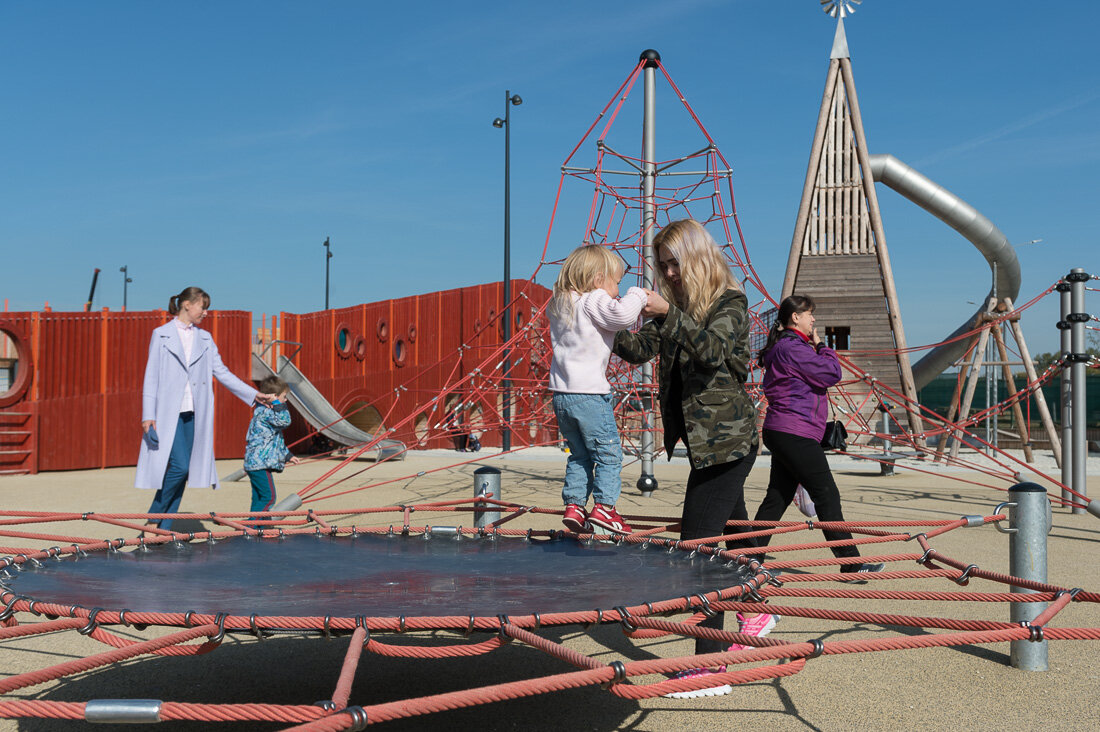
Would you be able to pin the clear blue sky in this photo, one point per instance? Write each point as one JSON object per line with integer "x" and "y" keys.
{"x": 219, "y": 143}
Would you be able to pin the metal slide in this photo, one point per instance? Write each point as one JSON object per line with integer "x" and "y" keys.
{"x": 320, "y": 414}
{"x": 979, "y": 230}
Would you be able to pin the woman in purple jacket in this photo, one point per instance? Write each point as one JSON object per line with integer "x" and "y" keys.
{"x": 799, "y": 369}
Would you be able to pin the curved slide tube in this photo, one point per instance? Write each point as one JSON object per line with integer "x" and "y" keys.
{"x": 965, "y": 219}
{"x": 320, "y": 414}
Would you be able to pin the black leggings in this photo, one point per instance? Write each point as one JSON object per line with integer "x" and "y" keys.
{"x": 715, "y": 495}
{"x": 801, "y": 460}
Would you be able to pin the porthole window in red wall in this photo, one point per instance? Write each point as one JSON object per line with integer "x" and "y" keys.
{"x": 360, "y": 347}
{"x": 383, "y": 330}
{"x": 15, "y": 364}
{"x": 343, "y": 340}
{"x": 400, "y": 351}
{"x": 412, "y": 334}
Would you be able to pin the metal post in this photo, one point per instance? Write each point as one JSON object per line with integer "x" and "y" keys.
{"x": 126, "y": 280}
{"x": 506, "y": 311}
{"x": 328, "y": 256}
{"x": 1078, "y": 317}
{"x": 1029, "y": 521}
{"x": 506, "y": 434}
{"x": 486, "y": 485}
{"x": 646, "y": 482}
{"x": 1066, "y": 390}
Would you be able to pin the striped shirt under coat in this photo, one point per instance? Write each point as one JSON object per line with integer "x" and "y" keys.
{"x": 166, "y": 376}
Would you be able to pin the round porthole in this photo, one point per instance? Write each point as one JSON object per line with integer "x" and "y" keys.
{"x": 412, "y": 334}
{"x": 360, "y": 347}
{"x": 400, "y": 351}
{"x": 383, "y": 330}
{"x": 343, "y": 340}
{"x": 15, "y": 364}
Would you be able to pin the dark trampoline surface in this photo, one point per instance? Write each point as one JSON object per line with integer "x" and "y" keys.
{"x": 377, "y": 576}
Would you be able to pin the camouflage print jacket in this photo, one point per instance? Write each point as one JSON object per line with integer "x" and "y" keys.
{"x": 713, "y": 360}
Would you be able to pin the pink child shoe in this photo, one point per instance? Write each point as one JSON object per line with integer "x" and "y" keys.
{"x": 698, "y": 673}
{"x": 575, "y": 518}
{"x": 758, "y": 625}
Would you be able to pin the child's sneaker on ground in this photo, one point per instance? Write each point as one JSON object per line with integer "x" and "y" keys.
{"x": 575, "y": 518}
{"x": 698, "y": 673}
{"x": 758, "y": 625}
{"x": 607, "y": 517}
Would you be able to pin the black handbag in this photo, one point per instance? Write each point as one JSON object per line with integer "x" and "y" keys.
{"x": 835, "y": 437}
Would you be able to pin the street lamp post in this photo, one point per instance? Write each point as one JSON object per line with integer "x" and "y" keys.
{"x": 126, "y": 280}
{"x": 506, "y": 312}
{"x": 328, "y": 256}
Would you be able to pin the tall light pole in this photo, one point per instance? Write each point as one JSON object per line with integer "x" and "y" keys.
{"x": 126, "y": 280}
{"x": 328, "y": 256}
{"x": 509, "y": 100}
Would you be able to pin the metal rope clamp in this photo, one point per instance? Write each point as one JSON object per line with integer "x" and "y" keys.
{"x": 964, "y": 578}
{"x": 91, "y": 626}
{"x": 220, "y": 620}
{"x": 997, "y": 524}
{"x": 620, "y": 674}
{"x": 8, "y": 611}
{"x": 501, "y": 634}
{"x": 624, "y": 620}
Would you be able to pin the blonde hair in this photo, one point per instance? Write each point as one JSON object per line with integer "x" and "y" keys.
{"x": 579, "y": 273}
{"x": 704, "y": 271}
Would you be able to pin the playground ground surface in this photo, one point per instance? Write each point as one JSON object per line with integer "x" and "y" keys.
{"x": 960, "y": 688}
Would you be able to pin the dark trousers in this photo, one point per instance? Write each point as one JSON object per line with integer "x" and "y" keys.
{"x": 801, "y": 460}
{"x": 168, "y": 497}
{"x": 715, "y": 495}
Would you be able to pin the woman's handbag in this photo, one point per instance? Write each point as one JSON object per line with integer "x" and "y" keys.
{"x": 835, "y": 437}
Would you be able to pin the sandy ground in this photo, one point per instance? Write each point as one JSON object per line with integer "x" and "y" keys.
{"x": 950, "y": 688}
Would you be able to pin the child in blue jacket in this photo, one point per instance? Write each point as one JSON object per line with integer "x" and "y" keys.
{"x": 265, "y": 451}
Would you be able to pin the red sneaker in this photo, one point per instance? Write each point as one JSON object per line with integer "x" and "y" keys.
{"x": 607, "y": 517}
{"x": 575, "y": 518}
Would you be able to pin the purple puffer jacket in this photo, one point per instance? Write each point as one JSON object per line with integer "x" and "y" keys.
{"x": 795, "y": 383}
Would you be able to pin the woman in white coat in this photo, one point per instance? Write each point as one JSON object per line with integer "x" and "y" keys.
{"x": 177, "y": 405}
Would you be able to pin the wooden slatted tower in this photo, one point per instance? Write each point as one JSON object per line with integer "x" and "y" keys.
{"x": 838, "y": 252}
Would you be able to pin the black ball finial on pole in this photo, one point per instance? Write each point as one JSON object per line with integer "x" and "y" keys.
{"x": 651, "y": 57}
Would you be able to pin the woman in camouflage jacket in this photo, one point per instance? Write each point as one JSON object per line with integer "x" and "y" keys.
{"x": 700, "y": 330}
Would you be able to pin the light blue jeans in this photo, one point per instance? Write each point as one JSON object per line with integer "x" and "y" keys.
{"x": 595, "y": 461}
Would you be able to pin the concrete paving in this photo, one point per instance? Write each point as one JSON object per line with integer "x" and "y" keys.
{"x": 963, "y": 688}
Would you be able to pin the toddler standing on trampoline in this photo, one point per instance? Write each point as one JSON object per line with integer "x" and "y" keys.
{"x": 265, "y": 450}
{"x": 585, "y": 313}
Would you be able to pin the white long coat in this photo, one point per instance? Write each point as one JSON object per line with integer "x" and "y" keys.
{"x": 166, "y": 374}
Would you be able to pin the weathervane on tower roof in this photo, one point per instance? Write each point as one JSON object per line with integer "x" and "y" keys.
{"x": 841, "y": 8}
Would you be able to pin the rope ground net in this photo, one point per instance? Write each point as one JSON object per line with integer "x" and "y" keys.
{"x": 785, "y": 582}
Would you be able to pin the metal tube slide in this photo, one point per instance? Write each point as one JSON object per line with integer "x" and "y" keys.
{"x": 965, "y": 219}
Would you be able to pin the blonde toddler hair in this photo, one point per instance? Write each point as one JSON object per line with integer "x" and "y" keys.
{"x": 704, "y": 271}
{"x": 579, "y": 273}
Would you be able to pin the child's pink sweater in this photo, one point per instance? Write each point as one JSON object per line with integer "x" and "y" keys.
{"x": 582, "y": 347}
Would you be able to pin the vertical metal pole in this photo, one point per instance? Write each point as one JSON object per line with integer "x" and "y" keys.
{"x": 1066, "y": 390}
{"x": 486, "y": 485}
{"x": 991, "y": 377}
{"x": 1078, "y": 318}
{"x": 647, "y": 483}
{"x": 506, "y": 429}
{"x": 328, "y": 256}
{"x": 1029, "y": 523}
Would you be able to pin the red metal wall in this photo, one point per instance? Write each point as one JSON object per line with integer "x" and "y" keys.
{"x": 87, "y": 377}
{"x": 411, "y": 349}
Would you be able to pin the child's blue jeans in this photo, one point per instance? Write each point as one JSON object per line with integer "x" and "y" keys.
{"x": 263, "y": 489}
{"x": 170, "y": 493}
{"x": 587, "y": 423}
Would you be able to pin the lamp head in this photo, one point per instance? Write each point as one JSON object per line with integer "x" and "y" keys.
{"x": 498, "y": 122}
{"x": 516, "y": 99}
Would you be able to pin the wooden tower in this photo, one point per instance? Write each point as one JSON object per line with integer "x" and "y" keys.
{"x": 838, "y": 253}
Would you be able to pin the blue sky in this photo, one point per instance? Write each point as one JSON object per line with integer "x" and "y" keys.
{"x": 219, "y": 143}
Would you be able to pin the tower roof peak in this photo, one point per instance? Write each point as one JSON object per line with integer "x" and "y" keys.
{"x": 840, "y": 42}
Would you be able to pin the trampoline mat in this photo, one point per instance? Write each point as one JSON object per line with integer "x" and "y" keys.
{"x": 376, "y": 576}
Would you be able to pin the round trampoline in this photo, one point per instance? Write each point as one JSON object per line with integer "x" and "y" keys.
{"x": 436, "y": 573}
